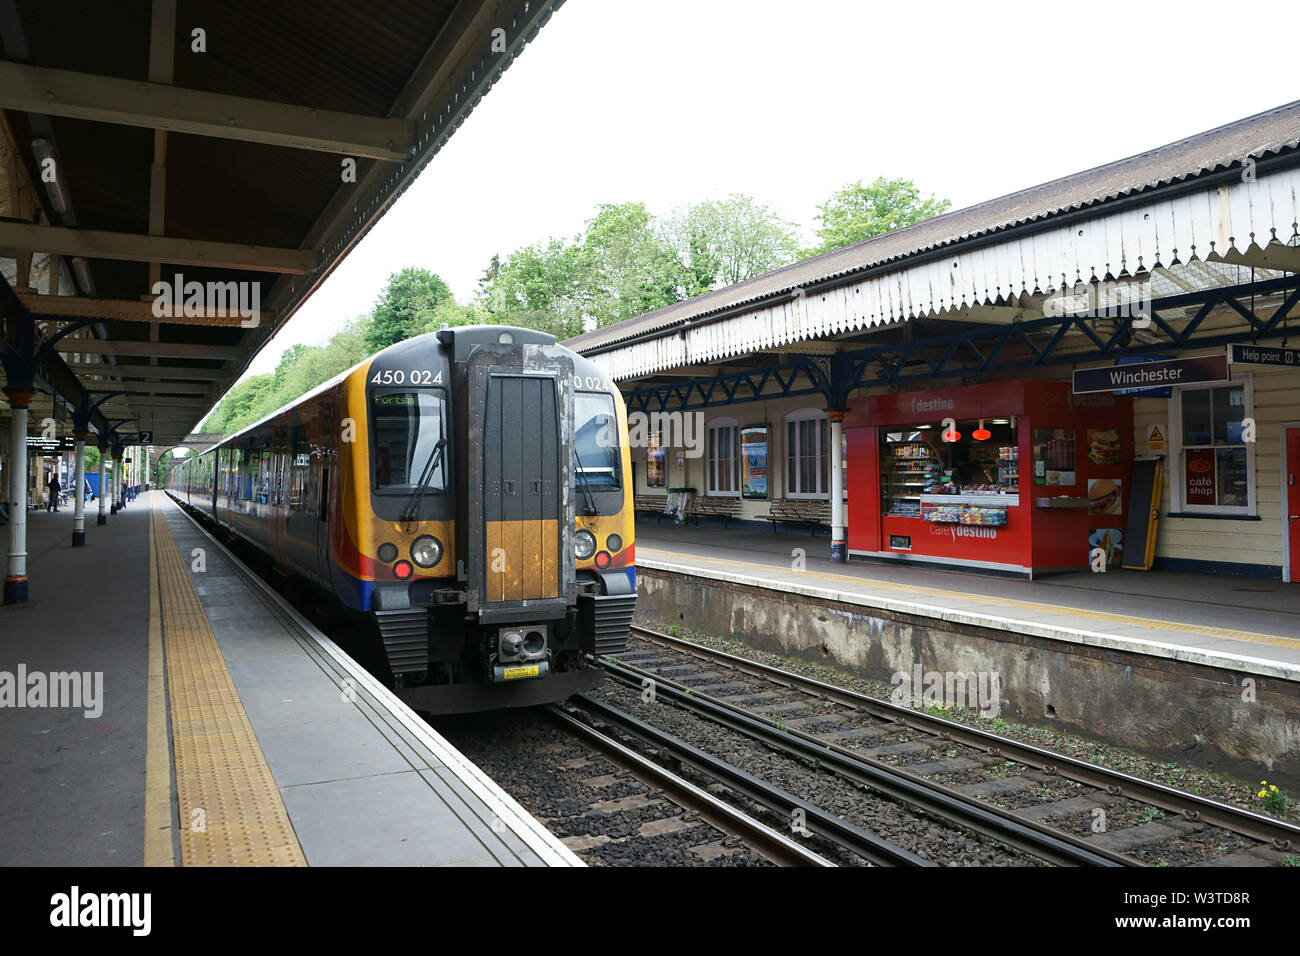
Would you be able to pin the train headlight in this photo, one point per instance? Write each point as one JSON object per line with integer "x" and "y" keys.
{"x": 426, "y": 551}
{"x": 615, "y": 543}
{"x": 584, "y": 544}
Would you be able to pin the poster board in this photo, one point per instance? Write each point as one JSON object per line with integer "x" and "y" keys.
{"x": 1143, "y": 513}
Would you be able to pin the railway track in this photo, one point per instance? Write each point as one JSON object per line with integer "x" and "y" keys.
{"x": 734, "y": 823}
{"x": 1035, "y": 796}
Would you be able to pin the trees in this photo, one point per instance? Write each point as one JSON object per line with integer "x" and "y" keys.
{"x": 618, "y": 267}
{"x": 624, "y": 268}
{"x": 405, "y": 306}
{"x": 535, "y": 287}
{"x": 857, "y": 212}
{"x": 721, "y": 242}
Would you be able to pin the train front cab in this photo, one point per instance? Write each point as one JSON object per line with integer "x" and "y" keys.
{"x": 534, "y": 552}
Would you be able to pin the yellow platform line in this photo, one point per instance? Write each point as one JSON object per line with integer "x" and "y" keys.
{"x": 230, "y": 809}
{"x": 158, "y": 823}
{"x": 947, "y": 595}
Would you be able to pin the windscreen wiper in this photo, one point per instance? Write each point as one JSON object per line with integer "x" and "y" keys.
{"x": 588, "y": 501}
{"x": 411, "y": 510}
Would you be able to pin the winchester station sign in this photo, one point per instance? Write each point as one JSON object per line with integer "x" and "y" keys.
{"x": 1207, "y": 369}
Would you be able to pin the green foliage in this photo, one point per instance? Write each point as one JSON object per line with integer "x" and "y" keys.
{"x": 721, "y": 242}
{"x": 536, "y": 287}
{"x": 619, "y": 267}
{"x": 301, "y": 368}
{"x": 92, "y": 458}
{"x": 857, "y": 212}
{"x": 625, "y": 269}
{"x": 407, "y": 304}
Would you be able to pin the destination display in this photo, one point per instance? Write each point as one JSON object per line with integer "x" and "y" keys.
{"x": 1209, "y": 368}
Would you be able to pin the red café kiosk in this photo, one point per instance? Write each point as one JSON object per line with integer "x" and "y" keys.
{"x": 1020, "y": 477}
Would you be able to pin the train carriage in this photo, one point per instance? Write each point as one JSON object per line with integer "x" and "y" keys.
{"x": 466, "y": 494}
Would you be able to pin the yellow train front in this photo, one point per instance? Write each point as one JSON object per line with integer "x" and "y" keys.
{"x": 467, "y": 495}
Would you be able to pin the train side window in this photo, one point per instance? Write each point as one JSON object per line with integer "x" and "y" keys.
{"x": 251, "y": 458}
{"x": 236, "y": 463}
{"x": 299, "y": 466}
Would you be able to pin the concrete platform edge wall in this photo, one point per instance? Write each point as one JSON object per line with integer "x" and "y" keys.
{"x": 1165, "y": 708}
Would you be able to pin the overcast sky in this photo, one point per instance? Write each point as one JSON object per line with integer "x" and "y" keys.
{"x": 675, "y": 101}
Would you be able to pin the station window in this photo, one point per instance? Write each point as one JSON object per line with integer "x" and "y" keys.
{"x": 722, "y": 458}
{"x": 806, "y": 446}
{"x": 1213, "y": 466}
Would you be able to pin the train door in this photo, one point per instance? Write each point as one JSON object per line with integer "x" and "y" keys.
{"x": 521, "y": 489}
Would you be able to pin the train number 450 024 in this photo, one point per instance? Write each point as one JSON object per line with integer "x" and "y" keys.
{"x": 397, "y": 376}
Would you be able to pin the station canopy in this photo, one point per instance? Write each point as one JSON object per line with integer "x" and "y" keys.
{"x": 233, "y": 152}
{"x": 1192, "y": 244}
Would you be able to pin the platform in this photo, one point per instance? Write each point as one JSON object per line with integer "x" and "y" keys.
{"x": 1237, "y": 623}
{"x": 215, "y": 725}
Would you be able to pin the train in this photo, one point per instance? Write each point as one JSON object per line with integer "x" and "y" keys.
{"x": 465, "y": 496}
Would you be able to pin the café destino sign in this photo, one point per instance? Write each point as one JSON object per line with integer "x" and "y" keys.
{"x": 1209, "y": 368}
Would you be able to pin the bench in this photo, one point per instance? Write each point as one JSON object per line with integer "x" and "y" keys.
{"x": 650, "y": 504}
{"x": 798, "y": 511}
{"x": 724, "y": 508}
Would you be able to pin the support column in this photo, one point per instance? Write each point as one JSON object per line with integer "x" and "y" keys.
{"x": 15, "y": 588}
{"x": 103, "y": 486}
{"x": 78, "y": 492}
{"x": 116, "y": 481}
{"x": 838, "y": 533}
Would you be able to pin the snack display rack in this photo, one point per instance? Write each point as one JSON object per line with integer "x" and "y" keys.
{"x": 963, "y": 501}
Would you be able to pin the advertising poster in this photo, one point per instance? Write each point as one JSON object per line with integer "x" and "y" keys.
{"x": 1199, "y": 478}
{"x": 753, "y": 461}
{"x": 1110, "y": 540}
{"x": 1105, "y": 497}
{"x": 1103, "y": 446}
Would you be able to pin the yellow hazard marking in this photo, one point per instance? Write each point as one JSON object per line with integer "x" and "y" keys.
{"x": 230, "y": 810}
{"x": 158, "y": 823}
{"x": 947, "y": 595}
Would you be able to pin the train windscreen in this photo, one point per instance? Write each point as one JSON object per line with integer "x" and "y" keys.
{"x": 595, "y": 440}
{"x": 407, "y": 428}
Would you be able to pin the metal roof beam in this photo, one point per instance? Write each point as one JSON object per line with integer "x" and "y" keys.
{"x": 92, "y": 374}
{"x": 108, "y": 99}
{"x": 121, "y": 310}
{"x": 142, "y": 402}
{"x": 130, "y": 247}
{"x": 145, "y": 349}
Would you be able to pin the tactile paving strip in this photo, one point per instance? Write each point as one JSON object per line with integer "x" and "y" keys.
{"x": 230, "y": 810}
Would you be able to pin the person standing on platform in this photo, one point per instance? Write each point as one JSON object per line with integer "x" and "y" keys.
{"x": 52, "y": 504}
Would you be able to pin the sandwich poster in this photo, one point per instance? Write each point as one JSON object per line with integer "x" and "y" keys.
{"x": 1105, "y": 496}
{"x": 1103, "y": 446}
{"x": 1110, "y": 541}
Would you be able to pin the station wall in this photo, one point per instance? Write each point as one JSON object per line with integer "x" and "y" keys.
{"x": 1249, "y": 545}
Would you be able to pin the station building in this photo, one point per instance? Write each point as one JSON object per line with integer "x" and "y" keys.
{"x": 915, "y": 394}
